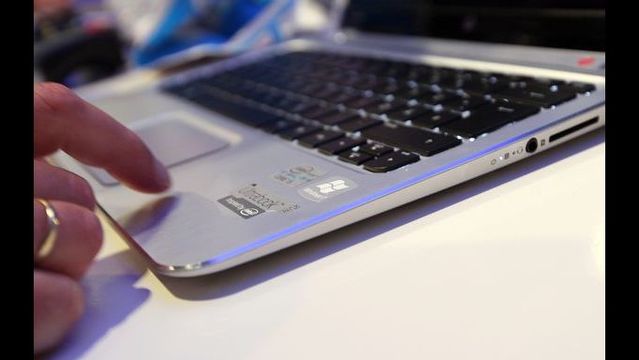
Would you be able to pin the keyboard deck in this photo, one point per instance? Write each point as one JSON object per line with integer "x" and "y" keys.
{"x": 378, "y": 114}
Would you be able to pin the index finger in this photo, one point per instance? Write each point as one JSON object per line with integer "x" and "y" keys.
{"x": 63, "y": 121}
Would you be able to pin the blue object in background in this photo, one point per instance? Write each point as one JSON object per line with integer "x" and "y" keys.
{"x": 184, "y": 27}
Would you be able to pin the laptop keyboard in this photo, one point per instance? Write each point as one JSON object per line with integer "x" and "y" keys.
{"x": 378, "y": 114}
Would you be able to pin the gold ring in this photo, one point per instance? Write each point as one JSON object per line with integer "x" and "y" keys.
{"x": 52, "y": 232}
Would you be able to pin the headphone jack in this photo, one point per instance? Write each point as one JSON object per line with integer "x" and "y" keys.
{"x": 532, "y": 145}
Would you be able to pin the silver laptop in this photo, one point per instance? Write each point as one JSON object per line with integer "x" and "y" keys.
{"x": 283, "y": 144}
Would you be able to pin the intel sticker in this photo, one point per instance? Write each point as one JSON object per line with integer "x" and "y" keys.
{"x": 241, "y": 207}
{"x": 328, "y": 188}
{"x": 253, "y": 200}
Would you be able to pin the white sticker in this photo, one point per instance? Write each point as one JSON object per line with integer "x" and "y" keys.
{"x": 265, "y": 200}
{"x": 327, "y": 188}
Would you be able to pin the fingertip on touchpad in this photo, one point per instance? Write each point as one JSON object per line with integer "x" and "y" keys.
{"x": 173, "y": 142}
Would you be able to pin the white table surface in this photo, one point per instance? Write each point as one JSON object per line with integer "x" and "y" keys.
{"x": 507, "y": 266}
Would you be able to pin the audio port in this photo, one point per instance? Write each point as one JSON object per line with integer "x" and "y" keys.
{"x": 531, "y": 146}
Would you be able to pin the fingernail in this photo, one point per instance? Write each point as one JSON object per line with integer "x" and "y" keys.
{"x": 162, "y": 175}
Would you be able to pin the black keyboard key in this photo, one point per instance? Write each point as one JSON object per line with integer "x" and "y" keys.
{"x": 319, "y": 112}
{"x": 343, "y": 97}
{"x": 279, "y": 126}
{"x": 435, "y": 98}
{"x": 419, "y": 71}
{"x": 387, "y": 87}
{"x": 358, "y": 124}
{"x": 249, "y": 116}
{"x": 340, "y": 145}
{"x": 241, "y": 113}
{"x": 252, "y": 94}
{"x": 338, "y": 117}
{"x": 363, "y": 102}
{"x": 271, "y": 99}
{"x": 419, "y": 141}
{"x": 354, "y": 157}
{"x": 301, "y": 107}
{"x": 375, "y": 149}
{"x": 536, "y": 98}
{"x": 489, "y": 118}
{"x": 289, "y": 105}
{"x": 385, "y": 107}
{"x": 299, "y": 131}
{"x": 413, "y": 92}
{"x": 465, "y": 102}
{"x": 398, "y": 70}
{"x": 443, "y": 75}
{"x": 452, "y": 82}
{"x": 581, "y": 87}
{"x": 407, "y": 113}
{"x": 319, "y": 138}
{"x": 434, "y": 119}
{"x": 538, "y": 94}
{"x": 327, "y": 93}
{"x": 343, "y": 77}
{"x": 367, "y": 82}
{"x": 485, "y": 84}
{"x": 391, "y": 161}
{"x": 311, "y": 89}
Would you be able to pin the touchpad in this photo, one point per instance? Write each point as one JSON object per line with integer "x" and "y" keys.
{"x": 173, "y": 142}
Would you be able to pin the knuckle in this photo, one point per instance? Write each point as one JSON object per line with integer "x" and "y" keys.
{"x": 82, "y": 189}
{"x": 93, "y": 231}
{"x": 58, "y": 298}
{"x": 74, "y": 300}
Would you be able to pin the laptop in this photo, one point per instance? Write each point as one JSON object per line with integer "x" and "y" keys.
{"x": 282, "y": 144}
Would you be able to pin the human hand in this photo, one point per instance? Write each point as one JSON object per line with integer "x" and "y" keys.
{"x": 63, "y": 121}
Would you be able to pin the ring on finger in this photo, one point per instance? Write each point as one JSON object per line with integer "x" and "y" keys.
{"x": 52, "y": 232}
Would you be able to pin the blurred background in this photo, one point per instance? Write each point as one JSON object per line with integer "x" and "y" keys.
{"x": 77, "y": 42}
{"x": 80, "y": 41}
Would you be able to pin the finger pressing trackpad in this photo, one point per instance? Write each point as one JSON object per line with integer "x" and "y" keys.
{"x": 173, "y": 142}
